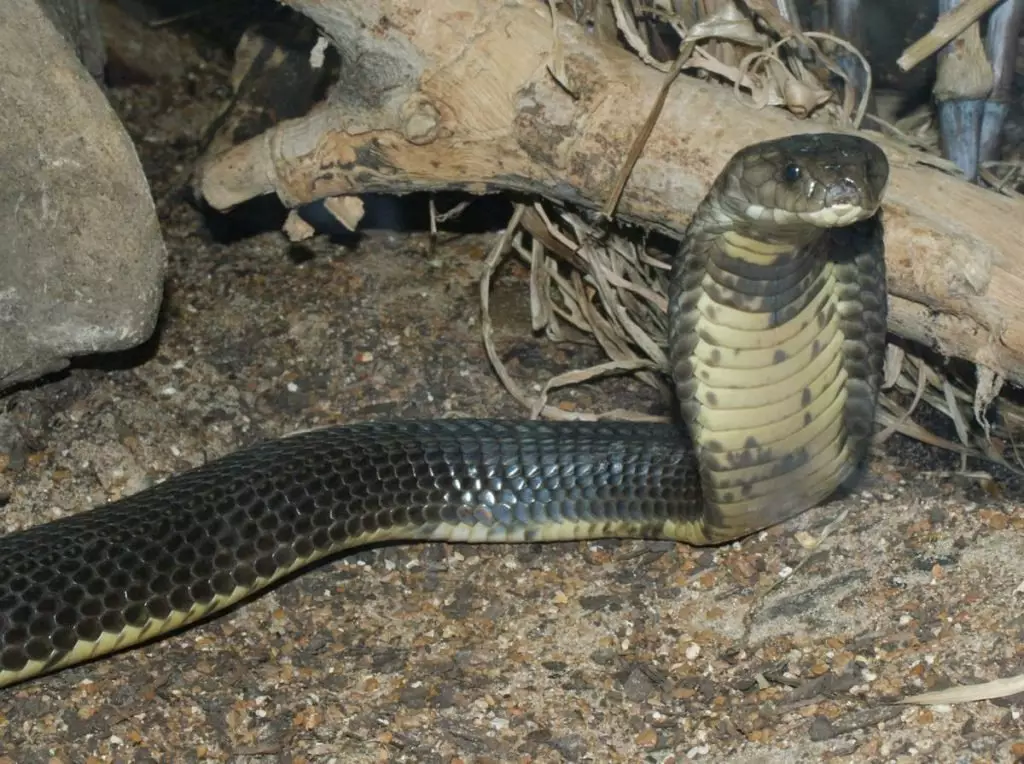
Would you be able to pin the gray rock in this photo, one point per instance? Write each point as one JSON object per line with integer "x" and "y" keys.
{"x": 78, "y": 22}
{"x": 81, "y": 258}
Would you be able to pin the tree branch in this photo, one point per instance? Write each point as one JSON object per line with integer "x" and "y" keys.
{"x": 458, "y": 94}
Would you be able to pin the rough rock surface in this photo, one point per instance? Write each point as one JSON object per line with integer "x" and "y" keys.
{"x": 78, "y": 22}
{"x": 81, "y": 258}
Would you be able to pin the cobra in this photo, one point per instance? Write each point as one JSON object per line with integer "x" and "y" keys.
{"x": 777, "y": 316}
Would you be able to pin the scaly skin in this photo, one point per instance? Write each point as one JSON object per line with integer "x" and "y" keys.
{"x": 777, "y": 327}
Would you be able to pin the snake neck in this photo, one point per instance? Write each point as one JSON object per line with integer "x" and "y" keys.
{"x": 766, "y": 370}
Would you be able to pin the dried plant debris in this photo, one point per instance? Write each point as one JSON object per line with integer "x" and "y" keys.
{"x": 612, "y": 289}
{"x": 609, "y": 287}
{"x": 760, "y": 49}
{"x": 766, "y": 58}
{"x": 971, "y": 693}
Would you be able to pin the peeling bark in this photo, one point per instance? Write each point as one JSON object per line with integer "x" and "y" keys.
{"x": 457, "y": 94}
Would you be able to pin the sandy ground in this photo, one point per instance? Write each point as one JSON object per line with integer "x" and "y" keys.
{"x": 769, "y": 650}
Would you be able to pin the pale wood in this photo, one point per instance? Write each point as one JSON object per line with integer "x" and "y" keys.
{"x": 457, "y": 94}
{"x": 949, "y": 25}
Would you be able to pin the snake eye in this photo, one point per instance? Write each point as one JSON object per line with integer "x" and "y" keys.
{"x": 791, "y": 173}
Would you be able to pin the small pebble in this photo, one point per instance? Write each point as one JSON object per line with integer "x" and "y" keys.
{"x": 821, "y": 729}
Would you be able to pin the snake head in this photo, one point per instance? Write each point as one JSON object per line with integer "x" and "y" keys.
{"x": 824, "y": 180}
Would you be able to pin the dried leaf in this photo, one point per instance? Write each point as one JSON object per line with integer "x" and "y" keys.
{"x": 998, "y": 688}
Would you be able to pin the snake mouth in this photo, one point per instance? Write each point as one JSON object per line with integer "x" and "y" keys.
{"x": 834, "y": 216}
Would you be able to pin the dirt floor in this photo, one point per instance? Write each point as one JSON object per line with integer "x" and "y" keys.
{"x": 769, "y": 650}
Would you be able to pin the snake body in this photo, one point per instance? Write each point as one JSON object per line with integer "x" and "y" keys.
{"x": 777, "y": 311}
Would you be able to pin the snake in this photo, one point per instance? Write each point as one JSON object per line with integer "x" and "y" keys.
{"x": 776, "y": 337}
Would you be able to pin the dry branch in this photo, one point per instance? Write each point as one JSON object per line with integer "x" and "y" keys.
{"x": 456, "y": 94}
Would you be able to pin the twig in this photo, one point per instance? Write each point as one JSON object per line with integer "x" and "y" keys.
{"x": 948, "y": 26}
{"x": 645, "y": 132}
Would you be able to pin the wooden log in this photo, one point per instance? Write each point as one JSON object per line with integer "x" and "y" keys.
{"x": 459, "y": 94}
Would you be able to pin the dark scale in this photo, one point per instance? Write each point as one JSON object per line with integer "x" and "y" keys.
{"x": 242, "y": 518}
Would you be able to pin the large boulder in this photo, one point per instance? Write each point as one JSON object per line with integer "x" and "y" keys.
{"x": 81, "y": 257}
